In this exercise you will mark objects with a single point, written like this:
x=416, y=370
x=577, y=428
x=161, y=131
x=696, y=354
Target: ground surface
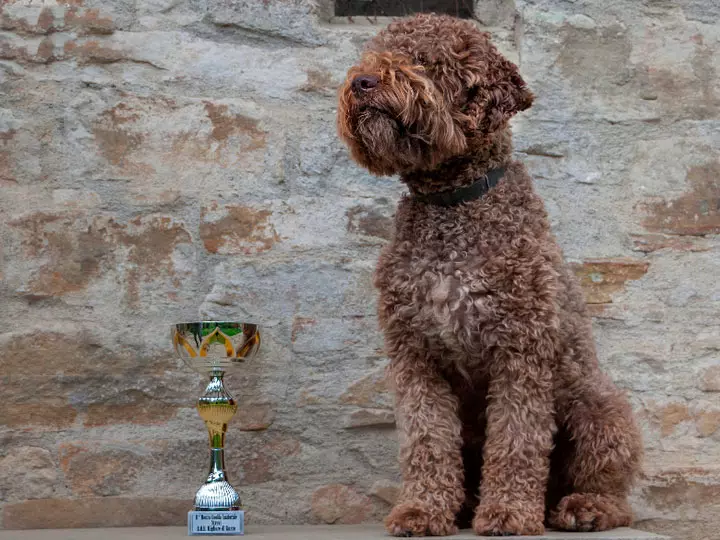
x=327, y=532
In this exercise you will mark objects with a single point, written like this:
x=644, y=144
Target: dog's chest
x=441, y=295
x=442, y=277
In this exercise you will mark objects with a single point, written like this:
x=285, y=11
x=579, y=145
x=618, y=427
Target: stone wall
x=162, y=160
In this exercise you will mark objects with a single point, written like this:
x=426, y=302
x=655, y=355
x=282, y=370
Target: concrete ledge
x=285, y=532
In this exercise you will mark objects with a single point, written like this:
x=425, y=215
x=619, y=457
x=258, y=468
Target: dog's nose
x=364, y=83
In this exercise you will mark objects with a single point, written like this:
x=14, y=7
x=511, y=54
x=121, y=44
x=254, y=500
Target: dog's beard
x=385, y=145
x=380, y=135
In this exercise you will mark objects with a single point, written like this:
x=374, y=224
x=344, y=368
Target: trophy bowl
x=208, y=346
x=214, y=347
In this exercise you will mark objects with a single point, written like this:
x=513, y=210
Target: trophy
x=214, y=347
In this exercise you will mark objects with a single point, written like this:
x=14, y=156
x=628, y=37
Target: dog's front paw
x=417, y=519
x=590, y=512
x=504, y=520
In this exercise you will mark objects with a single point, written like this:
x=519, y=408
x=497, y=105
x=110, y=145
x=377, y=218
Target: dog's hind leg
x=603, y=459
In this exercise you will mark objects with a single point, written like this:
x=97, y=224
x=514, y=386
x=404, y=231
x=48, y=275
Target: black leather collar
x=463, y=194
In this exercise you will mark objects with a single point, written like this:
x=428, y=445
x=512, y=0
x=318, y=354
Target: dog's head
x=424, y=88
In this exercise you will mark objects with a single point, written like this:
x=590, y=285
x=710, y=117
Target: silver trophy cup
x=215, y=347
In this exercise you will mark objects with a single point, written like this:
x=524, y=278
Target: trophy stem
x=217, y=464
x=216, y=407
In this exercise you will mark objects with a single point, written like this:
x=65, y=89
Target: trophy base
x=216, y=522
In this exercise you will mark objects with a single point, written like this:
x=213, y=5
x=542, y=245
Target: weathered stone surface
x=369, y=221
x=386, y=490
x=27, y=472
x=263, y=460
x=52, y=377
x=331, y=335
x=672, y=415
x=195, y=133
x=131, y=407
x=169, y=14
x=649, y=243
x=38, y=19
x=707, y=422
x=370, y=391
x=254, y=417
x=370, y=418
x=496, y=13
x=614, y=66
x=295, y=290
x=695, y=213
x=601, y=279
x=675, y=494
x=677, y=528
x=710, y=381
x=103, y=473
x=167, y=160
x=51, y=414
x=65, y=252
x=337, y=503
x=237, y=230
x=292, y=19
x=95, y=512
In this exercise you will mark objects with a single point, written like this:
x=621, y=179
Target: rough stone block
x=52, y=377
x=376, y=418
x=340, y=504
x=617, y=69
x=236, y=229
x=22, y=17
x=70, y=252
x=102, y=473
x=95, y=512
x=290, y=287
x=496, y=13
x=290, y=19
x=28, y=472
x=369, y=391
x=600, y=279
x=694, y=213
x=387, y=490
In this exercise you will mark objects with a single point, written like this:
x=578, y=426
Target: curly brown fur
x=505, y=416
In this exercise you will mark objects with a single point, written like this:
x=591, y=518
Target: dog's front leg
x=519, y=436
x=430, y=452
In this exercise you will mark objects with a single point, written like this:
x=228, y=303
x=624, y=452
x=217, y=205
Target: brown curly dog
x=505, y=416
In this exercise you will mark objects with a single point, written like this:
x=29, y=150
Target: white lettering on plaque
x=231, y=522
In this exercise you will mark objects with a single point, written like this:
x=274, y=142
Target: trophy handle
x=216, y=407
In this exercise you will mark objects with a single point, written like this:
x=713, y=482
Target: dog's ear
x=494, y=90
